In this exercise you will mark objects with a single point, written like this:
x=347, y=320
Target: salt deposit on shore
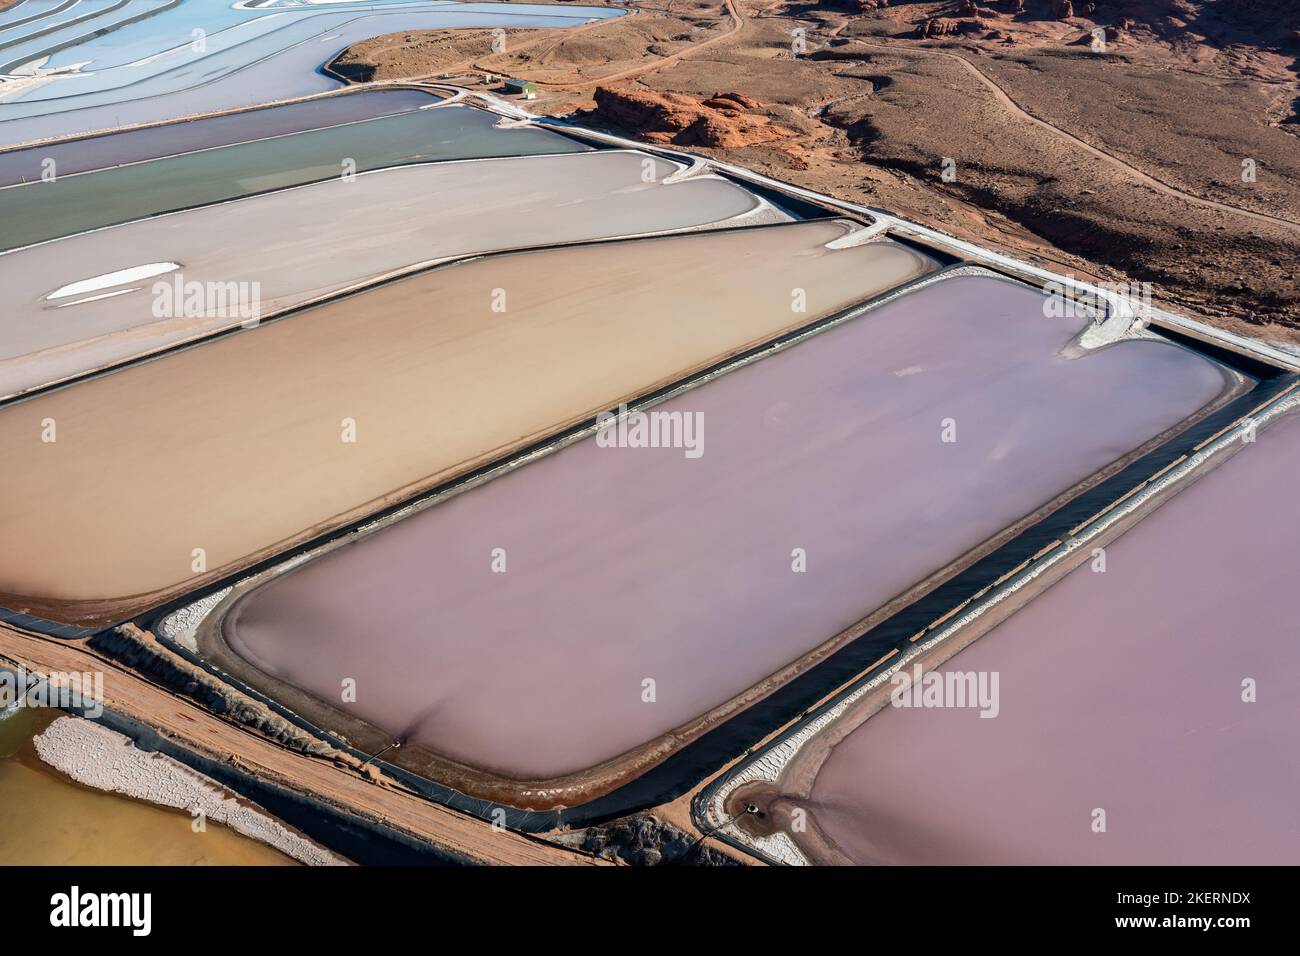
x=95, y=756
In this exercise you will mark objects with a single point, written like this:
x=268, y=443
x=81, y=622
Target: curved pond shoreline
x=68, y=205
x=66, y=158
x=1156, y=760
x=398, y=219
x=470, y=523
x=247, y=56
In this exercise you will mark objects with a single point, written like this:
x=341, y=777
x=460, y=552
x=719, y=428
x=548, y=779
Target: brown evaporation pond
x=568, y=615
x=166, y=474
x=1120, y=691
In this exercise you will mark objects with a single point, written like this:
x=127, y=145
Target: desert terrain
x=504, y=719
x=1154, y=141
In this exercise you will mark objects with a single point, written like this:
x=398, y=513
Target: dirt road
x=738, y=23
x=1004, y=99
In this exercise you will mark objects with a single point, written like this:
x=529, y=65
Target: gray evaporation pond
x=38, y=211
x=133, y=146
x=1122, y=691
x=631, y=564
x=326, y=236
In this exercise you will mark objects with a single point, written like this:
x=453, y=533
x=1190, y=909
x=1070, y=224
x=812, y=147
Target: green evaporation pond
x=39, y=211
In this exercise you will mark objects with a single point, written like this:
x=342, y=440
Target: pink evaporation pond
x=627, y=565
x=1119, y=691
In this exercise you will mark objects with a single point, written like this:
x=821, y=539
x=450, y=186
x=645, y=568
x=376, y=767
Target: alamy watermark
x=176, y=298
x=653, y=429
x=944, y=689
x=1066, y=300
x=133, y=911
x=72, y=691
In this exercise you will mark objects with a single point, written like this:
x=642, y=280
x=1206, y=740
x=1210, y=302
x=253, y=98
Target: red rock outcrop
x=969, y=9
x=732, y=102
x=943, y=26
x=648, y=113
x=947, y=26
x=727, y=120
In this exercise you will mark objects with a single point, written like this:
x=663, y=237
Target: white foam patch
x=96, y=298
x=110, y=279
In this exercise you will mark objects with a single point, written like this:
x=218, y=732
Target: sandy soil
x=1126, y=163
x=591, y=53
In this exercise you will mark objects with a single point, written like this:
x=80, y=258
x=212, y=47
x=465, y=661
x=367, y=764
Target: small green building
x=525, y=88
